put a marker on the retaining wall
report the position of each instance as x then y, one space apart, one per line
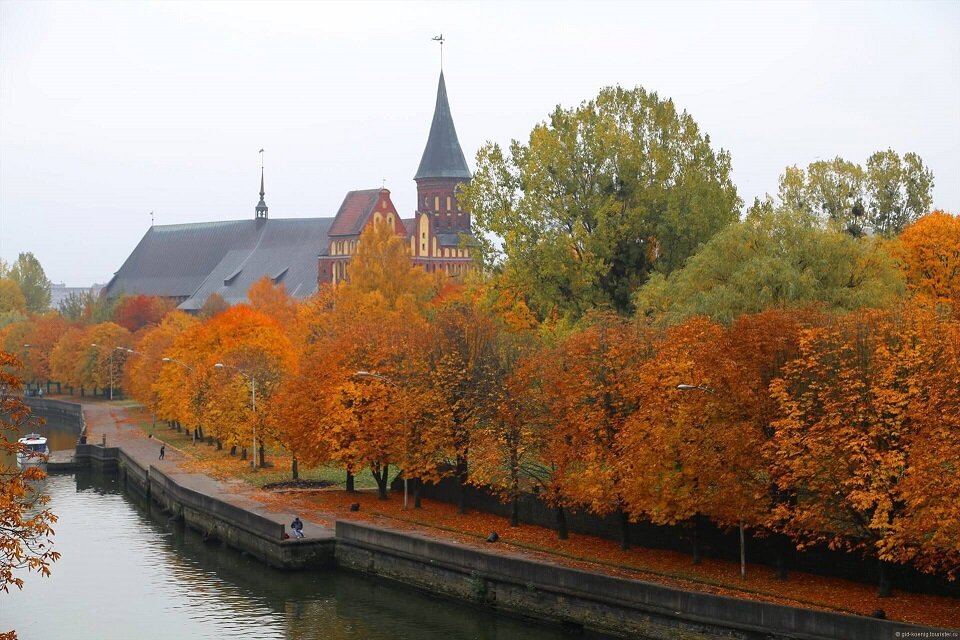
618 606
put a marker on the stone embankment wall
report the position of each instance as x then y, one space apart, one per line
218 520
618 606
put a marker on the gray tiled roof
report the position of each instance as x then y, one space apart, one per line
194 260
442 157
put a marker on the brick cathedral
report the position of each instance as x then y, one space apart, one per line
439 225
190 262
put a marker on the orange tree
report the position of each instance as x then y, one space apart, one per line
45 331
842 441
136 312
26 525
274 301
104 355
586 384
929 252
507 445
143 370
67 357
684 453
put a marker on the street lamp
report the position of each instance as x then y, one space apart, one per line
111 363
253 403
382 378
743 546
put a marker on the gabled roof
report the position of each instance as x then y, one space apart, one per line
442 157
353 213
194 260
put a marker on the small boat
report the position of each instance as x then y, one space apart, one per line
34 449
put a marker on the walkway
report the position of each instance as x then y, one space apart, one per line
104 419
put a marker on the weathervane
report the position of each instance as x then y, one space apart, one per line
151 218
261 159
440 39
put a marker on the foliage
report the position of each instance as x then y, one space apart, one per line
273 300
213 305
885 196
929 252
135 312
382 264
26 525
774 259
600 196
144 367
11 298
29 276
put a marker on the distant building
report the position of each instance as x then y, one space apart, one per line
60 292
190 262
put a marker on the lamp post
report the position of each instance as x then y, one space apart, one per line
743 546
111 363
253 403
382 378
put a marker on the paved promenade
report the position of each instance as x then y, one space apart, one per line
110 420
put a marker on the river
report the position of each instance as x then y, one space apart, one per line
128 572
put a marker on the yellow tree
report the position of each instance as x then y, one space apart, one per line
105 355
144 368
273 300
26 524
67 357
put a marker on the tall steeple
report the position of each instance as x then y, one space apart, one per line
442 157
262 205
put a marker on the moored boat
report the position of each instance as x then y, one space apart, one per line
33 449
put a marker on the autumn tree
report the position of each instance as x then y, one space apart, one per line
599 197
11 298
382 264
213 305
68 357
843 441
42 334
29 276
929 252
775 258
26 524
135 312
586 384
273 300
144 366
104 355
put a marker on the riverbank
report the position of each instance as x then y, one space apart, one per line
501 576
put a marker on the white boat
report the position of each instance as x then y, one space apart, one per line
33 450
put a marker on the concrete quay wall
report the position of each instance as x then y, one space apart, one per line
216 519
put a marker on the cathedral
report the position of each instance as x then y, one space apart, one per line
190 262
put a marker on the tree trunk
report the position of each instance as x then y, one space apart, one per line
562 532
886 585
296 469
697 557
624 529
219 444
462 485
781 550
200 432
417 493
243 453
515 511
350 488
82 391
382 477
233 450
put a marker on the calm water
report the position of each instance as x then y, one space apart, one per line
126 572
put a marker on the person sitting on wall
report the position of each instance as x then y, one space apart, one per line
297 527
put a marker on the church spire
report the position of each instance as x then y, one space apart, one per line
262 205
442 157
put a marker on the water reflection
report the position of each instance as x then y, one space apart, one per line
129 572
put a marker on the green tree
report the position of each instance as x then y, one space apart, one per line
775 259
71 307
33 282
600 196
885 196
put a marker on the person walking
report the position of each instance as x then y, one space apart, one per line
297 527
163 448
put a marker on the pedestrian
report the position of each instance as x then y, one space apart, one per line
297 527
163 448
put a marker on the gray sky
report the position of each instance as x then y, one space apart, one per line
111 110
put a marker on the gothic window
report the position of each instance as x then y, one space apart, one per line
436 203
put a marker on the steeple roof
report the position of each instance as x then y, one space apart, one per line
262 205
442 157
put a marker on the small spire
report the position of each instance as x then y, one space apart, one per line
441 40
262 205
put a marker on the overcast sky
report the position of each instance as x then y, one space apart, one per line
109 111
